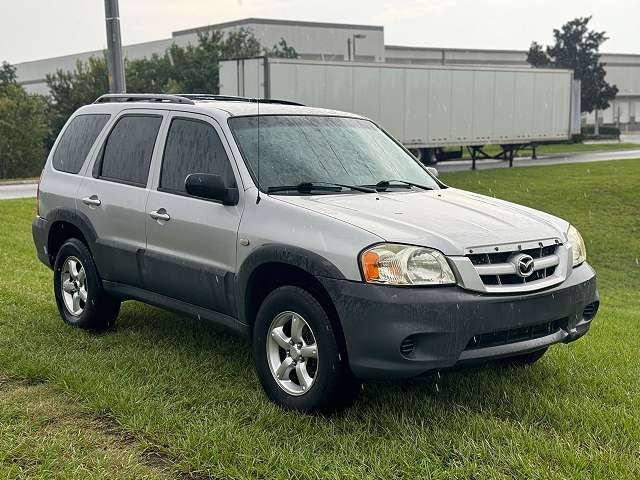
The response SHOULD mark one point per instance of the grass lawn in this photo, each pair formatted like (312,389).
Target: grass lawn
(186,391)
(8,181)
(562,148)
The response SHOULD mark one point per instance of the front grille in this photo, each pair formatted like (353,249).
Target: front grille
(497,269)
(514,335)
(407,347)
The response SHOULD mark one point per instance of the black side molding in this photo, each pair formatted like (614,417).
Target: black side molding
(126,292)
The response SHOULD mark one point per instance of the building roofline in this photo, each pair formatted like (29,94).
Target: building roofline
(490,50)
(273,21)
(439,49)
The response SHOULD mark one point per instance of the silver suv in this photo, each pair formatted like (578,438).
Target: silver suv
(311,231)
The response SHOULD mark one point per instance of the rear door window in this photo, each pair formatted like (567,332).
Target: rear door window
(192,146)
(126,155)
(76,141)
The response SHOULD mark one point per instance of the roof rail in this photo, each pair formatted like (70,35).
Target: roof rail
(143,97)
(233,98)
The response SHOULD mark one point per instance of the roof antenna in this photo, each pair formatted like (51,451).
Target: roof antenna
(258,104)
(258,146)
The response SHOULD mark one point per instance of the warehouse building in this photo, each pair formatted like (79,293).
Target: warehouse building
(362,43)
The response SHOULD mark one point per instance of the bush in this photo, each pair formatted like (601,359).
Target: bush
(605,131)
(23,128)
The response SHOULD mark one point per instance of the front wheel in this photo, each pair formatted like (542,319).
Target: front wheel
(298,358)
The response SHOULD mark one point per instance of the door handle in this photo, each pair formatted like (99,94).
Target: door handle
(160,214)
(92,201)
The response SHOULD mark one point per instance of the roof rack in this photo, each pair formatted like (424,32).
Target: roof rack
(233,98)
(185,98)
(143,97)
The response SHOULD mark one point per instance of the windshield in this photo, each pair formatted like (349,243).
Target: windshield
(296,149)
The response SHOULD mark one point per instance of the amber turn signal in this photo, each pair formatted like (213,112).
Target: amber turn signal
(370,266)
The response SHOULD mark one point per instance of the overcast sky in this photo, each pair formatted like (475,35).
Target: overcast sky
(35,29)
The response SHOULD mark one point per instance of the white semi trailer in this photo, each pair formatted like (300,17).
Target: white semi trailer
(427,108)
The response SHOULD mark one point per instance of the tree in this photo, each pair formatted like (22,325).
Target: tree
(23,128)
(7,75)
(282,50)
(190,69)
(70,90)
(576,48)
(196,67)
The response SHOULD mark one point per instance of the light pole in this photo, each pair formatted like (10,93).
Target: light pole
(115,61)
(355,36)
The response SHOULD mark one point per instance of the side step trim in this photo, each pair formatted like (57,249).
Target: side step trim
(127,292)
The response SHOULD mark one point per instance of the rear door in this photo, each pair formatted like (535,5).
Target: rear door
(191,249)
(114,193)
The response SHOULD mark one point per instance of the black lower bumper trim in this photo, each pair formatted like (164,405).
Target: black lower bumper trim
(442,322)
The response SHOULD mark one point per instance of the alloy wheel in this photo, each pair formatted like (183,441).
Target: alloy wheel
(292,353)
(74,286)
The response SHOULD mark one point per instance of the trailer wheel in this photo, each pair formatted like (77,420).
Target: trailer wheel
(416,152)
(428,156)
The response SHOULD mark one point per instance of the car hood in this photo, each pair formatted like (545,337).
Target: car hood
(449,220)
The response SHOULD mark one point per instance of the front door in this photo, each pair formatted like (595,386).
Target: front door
(191,242)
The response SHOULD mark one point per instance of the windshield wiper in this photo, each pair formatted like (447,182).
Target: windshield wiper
(382,185)
(308,187)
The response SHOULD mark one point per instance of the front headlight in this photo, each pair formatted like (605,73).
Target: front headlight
(395,264)
(577,245)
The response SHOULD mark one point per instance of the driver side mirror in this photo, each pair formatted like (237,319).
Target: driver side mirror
(207,185)
(433,171)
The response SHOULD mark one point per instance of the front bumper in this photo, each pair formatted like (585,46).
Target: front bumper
(446,326)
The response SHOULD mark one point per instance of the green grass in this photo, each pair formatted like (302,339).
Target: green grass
(563,148)
(186,390)
(46,434)
(8,181)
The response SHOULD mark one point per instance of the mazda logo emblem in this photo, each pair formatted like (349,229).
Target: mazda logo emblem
(523,264)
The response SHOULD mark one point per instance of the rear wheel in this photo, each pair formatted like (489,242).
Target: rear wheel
(78,290)
(298,358)
(524,359)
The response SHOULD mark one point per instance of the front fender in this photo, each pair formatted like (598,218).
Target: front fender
(306,260)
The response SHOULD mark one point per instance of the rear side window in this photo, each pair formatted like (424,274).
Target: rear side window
(192,146)
(126,155)
(76,141)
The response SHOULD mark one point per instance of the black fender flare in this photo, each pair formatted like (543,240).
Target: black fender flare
(306,260)
(75,218)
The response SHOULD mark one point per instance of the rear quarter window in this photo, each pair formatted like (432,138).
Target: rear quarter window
(76,141)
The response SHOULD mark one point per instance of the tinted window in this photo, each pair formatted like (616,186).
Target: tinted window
(76,141)
(192,147)
(127,152)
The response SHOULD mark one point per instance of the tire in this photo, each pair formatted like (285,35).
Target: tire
(524,359)
(417,153)
(75,279)
(429,156)
(332,386)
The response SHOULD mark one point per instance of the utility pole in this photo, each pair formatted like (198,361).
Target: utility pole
(115,61)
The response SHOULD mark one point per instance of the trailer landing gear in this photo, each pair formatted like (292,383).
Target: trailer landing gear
(507,152)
